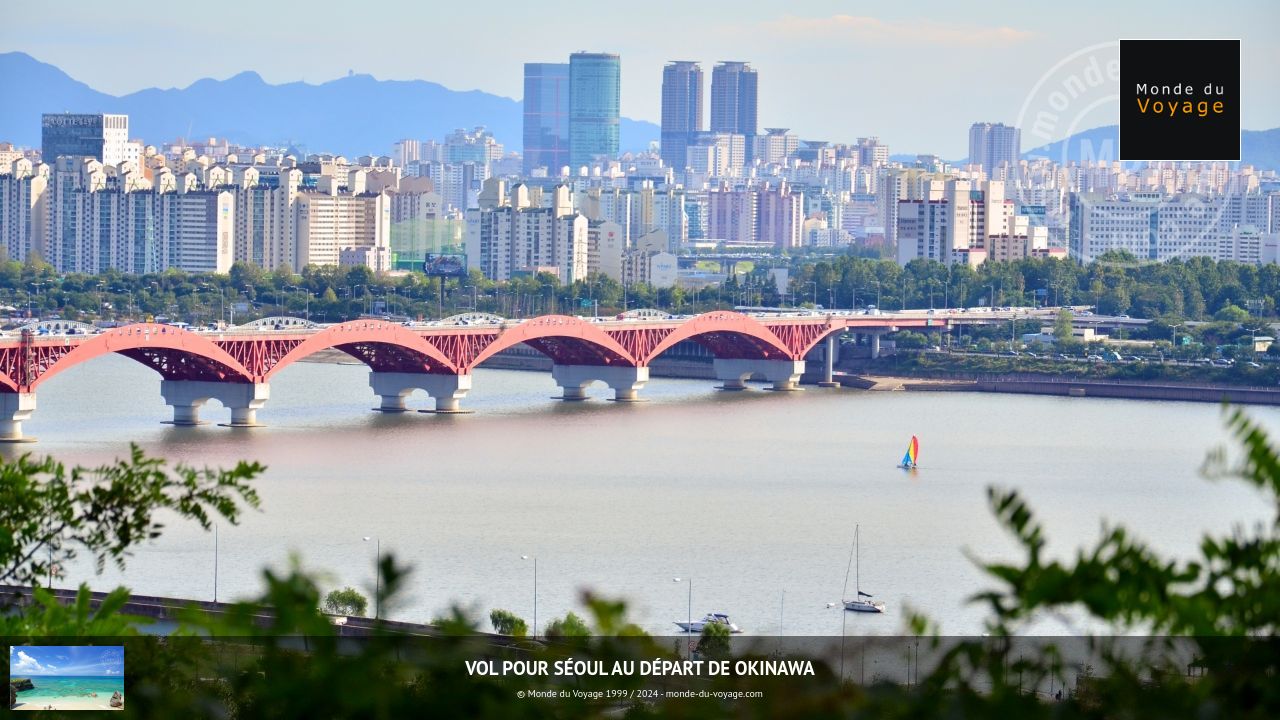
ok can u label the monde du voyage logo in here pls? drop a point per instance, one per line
(1180, 99)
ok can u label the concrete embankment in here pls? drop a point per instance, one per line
(1110, 389)
(864, 378)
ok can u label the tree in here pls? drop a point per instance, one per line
(506, 622)
(714, 641)
(347, 601)
(50, 515)
(571, 626)
(1063, 325)
(1232, 313)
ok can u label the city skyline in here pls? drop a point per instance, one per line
(815, 61)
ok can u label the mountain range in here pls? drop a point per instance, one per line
(353, 115)
(1259, 148)
(345, 116)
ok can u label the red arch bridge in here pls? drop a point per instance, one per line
(235, 365)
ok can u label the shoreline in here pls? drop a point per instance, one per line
(66, 704)
(868, 379)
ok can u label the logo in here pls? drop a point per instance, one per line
(1180, 100)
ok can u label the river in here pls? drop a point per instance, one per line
(754, 496)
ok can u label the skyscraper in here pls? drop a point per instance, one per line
(595, 81)
(546, 116)
(734, 88)
(681, 110)
(101, 137)
(991, 145)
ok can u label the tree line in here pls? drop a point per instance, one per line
(1194, 289)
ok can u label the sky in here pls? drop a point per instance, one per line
(65, 660)
(915, 74)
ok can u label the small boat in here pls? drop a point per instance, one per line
(913, 452)
(858, 603)
(708, 619)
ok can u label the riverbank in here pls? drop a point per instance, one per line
(892, 375)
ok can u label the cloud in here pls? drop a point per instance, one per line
(870, 30)
(25, 664)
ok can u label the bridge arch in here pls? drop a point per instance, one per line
(728, 335)
(382, 345)
(566, 340)
(175, 353)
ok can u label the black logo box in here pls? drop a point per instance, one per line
(1185, 65)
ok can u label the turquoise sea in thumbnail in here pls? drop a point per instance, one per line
(50, 689)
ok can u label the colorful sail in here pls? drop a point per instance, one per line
(913, 452)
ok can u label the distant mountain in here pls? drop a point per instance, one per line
(1259, 148)
(353, 115)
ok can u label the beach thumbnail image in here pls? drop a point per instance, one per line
(66, 677)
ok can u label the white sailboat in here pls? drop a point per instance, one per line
(861, 601)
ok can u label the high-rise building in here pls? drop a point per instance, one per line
(957, 221)
(104, 138)
(22, 208)
(546, 117)
(681, 110)
(595, 82)
(734, 87)
(775, 146)
(508, 233)
(994, 145)
(329, 222)
(1158, 226)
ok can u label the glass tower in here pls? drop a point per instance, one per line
(595, 81)
(546, 116)
(734, 101)
(681, 110)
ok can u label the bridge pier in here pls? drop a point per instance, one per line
(734, 372)
(626, 381)
(829, 362)
(188, 396)
(394, 388)
(14, 409)
(875, 345)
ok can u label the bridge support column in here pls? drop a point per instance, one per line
(626, 381)
(784, 374)
(829, 362)
(188, 396)
(14, 409)
(875, 345)
(395, 387)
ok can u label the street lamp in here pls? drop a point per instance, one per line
(377, 587)
(215, 562)
(815, 293)
(689, 626)
(535, 592)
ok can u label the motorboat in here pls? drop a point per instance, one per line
(709, 619)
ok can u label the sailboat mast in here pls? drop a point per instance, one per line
(857, 578)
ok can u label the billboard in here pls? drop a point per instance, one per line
(445, 265)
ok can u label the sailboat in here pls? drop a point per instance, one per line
(858, 603)
(913, 452)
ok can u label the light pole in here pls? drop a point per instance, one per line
(377, 587)
(815, 293)
(688, 627)
(534, 558)
(215, 562)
